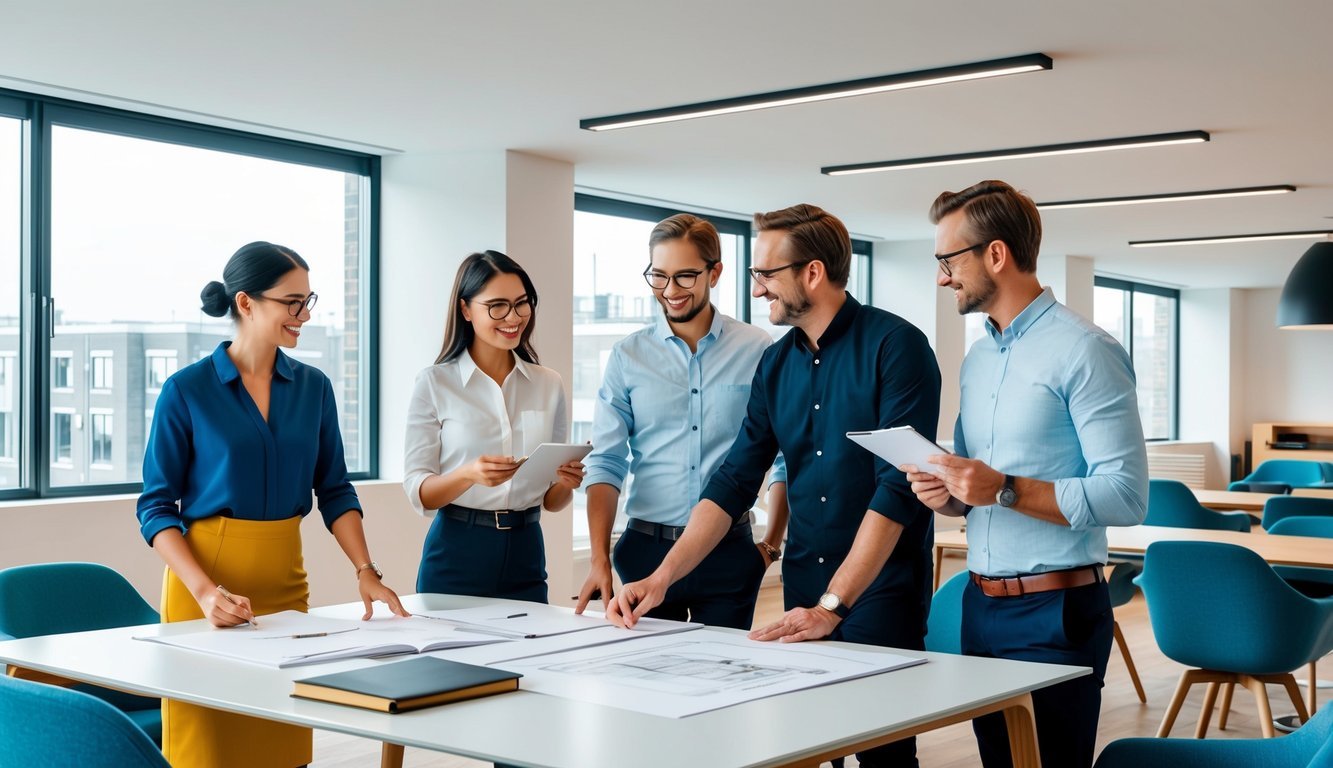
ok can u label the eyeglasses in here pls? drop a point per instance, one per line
(943, 258)
(684, 279)
(762, 276)
(294, 306)
(499, 310)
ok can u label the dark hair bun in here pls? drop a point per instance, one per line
(215, 300)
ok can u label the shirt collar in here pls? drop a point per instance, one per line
(665, 333)
(228, 372)
(467, 367)
(1030, 314)
(837, 326)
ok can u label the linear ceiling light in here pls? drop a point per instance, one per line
(1099, 145)
(1311, 235)
(1031, 62)
(1207, 194)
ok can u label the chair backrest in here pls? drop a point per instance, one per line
(1221, 607)
(50, 598)
(1172, 503)
(1321, 527)
(1294, 472)
(1279, 507)
(50, 726)
(944, 629)
(1120, 582)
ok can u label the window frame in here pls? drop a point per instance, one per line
(1131, 287)
(37, 312)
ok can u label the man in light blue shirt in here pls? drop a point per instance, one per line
(1048, 452)
(670, 405)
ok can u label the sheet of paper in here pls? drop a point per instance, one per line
(898, 445)
(686, 674)
(604, 634)
(541, 464)
(534, 620)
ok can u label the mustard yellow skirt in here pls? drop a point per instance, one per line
(260, 559)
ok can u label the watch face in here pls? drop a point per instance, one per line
(829, 601)
(1007, 497)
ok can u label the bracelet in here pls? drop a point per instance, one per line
(774, 553)
(372, 566)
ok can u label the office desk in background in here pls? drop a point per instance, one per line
(797, 729)
(1250, 502)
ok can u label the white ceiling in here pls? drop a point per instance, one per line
(422, 76)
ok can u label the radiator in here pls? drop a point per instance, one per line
(1188, 468)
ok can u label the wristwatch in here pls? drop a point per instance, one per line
(774, 553)
(372, 566)
(1007, 495)
(834, 604)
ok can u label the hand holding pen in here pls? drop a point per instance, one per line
(228, 610)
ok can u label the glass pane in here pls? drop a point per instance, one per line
(1155, 363)
(1108, 312)
(11, 365)
(137, 229)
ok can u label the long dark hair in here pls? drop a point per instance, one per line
(473, 274)
(253, 269)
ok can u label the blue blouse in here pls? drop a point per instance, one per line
(210, 452)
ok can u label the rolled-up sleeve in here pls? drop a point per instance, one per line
(333, 491)
(421, 450)
(1105, 413)
(612, 424)
(166, 464)
(909, 394)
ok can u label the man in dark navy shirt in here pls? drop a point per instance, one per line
(858, 564)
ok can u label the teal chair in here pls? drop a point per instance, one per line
(944, 627)
(1171, 503)
(1120, 585)
(1279, 507)
(1312, 582)
(1223, 611)
(1272, 475)
(1309, 747)
(53, 727)
(54, 598)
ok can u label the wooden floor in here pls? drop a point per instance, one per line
(954, 747)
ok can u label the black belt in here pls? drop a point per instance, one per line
(674, 532)
(500, 519)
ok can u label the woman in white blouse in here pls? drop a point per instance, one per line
(483, 405)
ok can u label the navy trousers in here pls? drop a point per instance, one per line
(720, 592)
(460, 558)
(1063, 626)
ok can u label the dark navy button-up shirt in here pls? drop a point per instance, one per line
(872, 370)
(210, 451)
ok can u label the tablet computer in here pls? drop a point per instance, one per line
(899, 446)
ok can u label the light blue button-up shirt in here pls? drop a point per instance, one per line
(669, 415)
(1052, 398)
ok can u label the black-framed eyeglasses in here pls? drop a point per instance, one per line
(943, 258)
(762, 276)
(684, 279)
(499, 310)
(294, 306)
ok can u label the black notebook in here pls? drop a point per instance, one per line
(407, 685)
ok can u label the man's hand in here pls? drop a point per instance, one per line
(635, 600)
(969, 480)
(799, 624)
(597, 585)
(929, 489)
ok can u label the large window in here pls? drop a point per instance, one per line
(1146, 320)
(131, 216)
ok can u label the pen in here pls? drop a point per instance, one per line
(516, 615)
(232, 600)
(303, 635)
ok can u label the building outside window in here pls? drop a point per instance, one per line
(61, 366)
(100, 454)
(161, 364)
(1145, 319)
(62, 438)
(102, 371)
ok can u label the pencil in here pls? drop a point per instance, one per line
(253, 622)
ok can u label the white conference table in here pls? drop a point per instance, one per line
(529, 729)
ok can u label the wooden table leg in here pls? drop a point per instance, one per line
(1022, 724)
(939, 566)
(391, 755)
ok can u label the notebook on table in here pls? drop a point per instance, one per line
(406, 685)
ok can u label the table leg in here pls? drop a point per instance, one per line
(391, 755)
(1022, 724)
(939, 566)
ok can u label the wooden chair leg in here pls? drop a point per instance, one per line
(1129, 662)
(1177, 699)
(1314, 689)
(1227, 690)
(1206, 711)
(391, 755)
(1260, 692)
(1294, 693)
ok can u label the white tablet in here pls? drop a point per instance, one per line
(899, 446)
(541, 465)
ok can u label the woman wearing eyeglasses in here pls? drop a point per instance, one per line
(238, 441)
(483, 406)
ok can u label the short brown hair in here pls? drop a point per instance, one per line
(683, 226)
(815, 234)
(996, 211)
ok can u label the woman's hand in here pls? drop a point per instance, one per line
(372, 589)
(491, 471)
(569, 475)
(225, 609)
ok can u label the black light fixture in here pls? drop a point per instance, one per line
(1031, 62)
(1169, 197)
(1214, 239)
(1307, 296)
(1077, 147)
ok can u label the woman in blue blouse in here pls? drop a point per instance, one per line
(239, 440)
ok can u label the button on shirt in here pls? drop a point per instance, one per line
(669, 415)
(458, 414)
(1052, 398)
(872, 370)
(210, 451)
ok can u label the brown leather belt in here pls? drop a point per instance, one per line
(1014, 586)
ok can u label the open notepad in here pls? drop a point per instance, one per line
(293, 639)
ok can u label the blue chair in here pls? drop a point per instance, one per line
(1172, 503)
(1269, 476)
(1120, 584)
(54, 598)
(1312, 582)
(944, 627)
(1279, 507)
(1309, 747)
(1221, 610)
(53, 727)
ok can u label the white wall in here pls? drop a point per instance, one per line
(1210, 395)
(1288, 375)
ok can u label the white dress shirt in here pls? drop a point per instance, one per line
(458, 413)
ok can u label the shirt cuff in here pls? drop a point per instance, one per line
(1073, 503)
(605, 477)
(890, 504)
(733, 503)
(153, 528)
(338, 506)
(412, 487)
